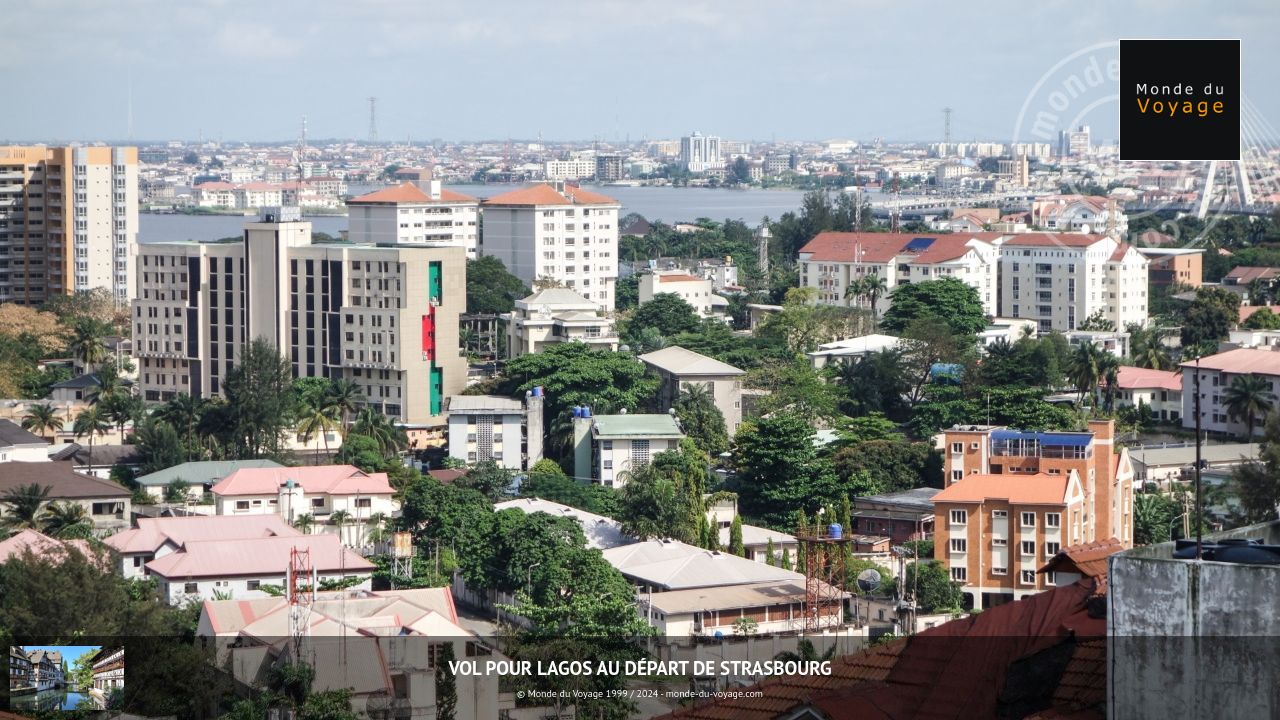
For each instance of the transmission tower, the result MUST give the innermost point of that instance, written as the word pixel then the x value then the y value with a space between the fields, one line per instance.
pixel 373 119
pixel 946 126
pixel 895 216
pixel 824 550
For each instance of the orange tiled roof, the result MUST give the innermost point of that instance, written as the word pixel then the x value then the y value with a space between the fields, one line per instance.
pixel 409 193
pixel 544 194
pixel 833 246
pixel 1037 489
pixel 678 278
pixel 1088 559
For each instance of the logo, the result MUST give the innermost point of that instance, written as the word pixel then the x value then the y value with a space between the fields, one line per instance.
pixel 1180 99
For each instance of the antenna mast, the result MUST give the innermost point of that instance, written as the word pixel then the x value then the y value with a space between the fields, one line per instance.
pixel 301 597
pixel 373 119
pixel 946 126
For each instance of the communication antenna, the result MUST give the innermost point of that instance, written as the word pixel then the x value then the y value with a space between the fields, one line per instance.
pixel 301 597
pixel 373 119
pixel 946 126
pixel 895 217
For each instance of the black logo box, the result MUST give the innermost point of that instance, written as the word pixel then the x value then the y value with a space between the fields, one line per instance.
pixel 1187 69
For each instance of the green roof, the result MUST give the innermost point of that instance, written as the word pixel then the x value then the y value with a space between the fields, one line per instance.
pixel 619 426
pixel 200 473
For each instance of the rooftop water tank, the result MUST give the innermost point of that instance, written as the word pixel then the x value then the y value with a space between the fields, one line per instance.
pixel 835 531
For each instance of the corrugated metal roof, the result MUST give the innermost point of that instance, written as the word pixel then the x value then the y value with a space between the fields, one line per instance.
pixel 639 425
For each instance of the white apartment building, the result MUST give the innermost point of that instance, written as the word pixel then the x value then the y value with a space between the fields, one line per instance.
pixel 833 261
pixel 694 290
pixel 607 447
pixel 1216 374
pixel 406 215
pixel 556 232
pixel 578 168
pixel 501 429
pixel 384 317
pixel 1061 279
pixel 68 221
pixel 556 315
pixel 699 153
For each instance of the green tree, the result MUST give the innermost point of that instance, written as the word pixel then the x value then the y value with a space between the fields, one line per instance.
pixel 889 466
pixel 488 478
pixel 735 537
pixel 779 470
pixel 932 587
pixel 806 652
pixel 159 445
pixel 626 293
pixel 373 423
pixel 1148 347
pixel 667 313
pixel 305 523
pixel 491 289
pixel 87 345
pixel 328 705
pixel 259 395
pixel 344 397
pixel 1257 484
pixel 1248 397
pixel 1209 319
pixel 42 419
pixel 547 481
pixel 949 299
pixel 177 490
pixel 1262 319
pixel 66 520
pixel 361 451
pixel 446 685
pixel 1153 517
pixel 795 386
pixel 927 342
pixel 1098 322
pixel 802 324
pixel 91 422
pixel 663 499
pixel 700 419
pixel 183 413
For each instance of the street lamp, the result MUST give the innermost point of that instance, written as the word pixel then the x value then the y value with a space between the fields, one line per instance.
pixel 528 577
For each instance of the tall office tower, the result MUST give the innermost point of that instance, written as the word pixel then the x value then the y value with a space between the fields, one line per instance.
pixel 700 152
pixel 556 232
pixel 68 221
pixel 1075 143
pixel 385 318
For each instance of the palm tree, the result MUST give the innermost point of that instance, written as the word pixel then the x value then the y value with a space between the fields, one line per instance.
pixel 1087 368
pixel 1248 396
pixel 24 504
pixel 345 397
pixel 121 408
pixel 317 420
pixel 370 421
pixel 340 519
pixel 42 419
pixel 1111 376
pixel 376 532
pixel 108 383
pixel 855 289
pixel 1148 348
pixel 805 652
pixel 87 346
pixel 873 286
pixel 182 411
pixel 304 523
pixel 66 520
pixel 91 421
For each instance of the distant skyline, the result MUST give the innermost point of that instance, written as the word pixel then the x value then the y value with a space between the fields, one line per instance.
pixel 232 70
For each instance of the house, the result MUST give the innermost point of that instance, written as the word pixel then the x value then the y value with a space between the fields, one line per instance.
pixel 19 672
pixel 1112 342
pixel 207 569
pixel 852 349
pixel 997 530
pixel 108 669
pixel 602 532
pixel 200 475
pixel 1215 373
pixel 1106 475
pixel 488 427
pixel 713 612
pixel 606 447
pixel 81 387
pixel 19 445
pixel 46 669
pixel 1078 214
pixel 412 215
pixel 902 516
pixel 1165 465
pixel 384 646
pixel 1168 267
pixel 1160 391
pixel 679 369
pixel 695 290
pixel 319 491
pixel 1244 275
pixel 107 503
pixel 721 512
pixel 42 546
pixel 156 537
pixel 102 461
pixel 556 315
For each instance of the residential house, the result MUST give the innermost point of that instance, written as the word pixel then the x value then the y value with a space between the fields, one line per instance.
pixel 488 427
pixel 42 546
pixel 316 490
pixel 902 516
pixel 1078 214
pixel 1167 267
pixel 852 349
pixel 46 669
pixel 19 445
pixel 1215 374
pixel 606 447
pixel 200 475
pixel 80 388
pixel 108 669
pixel 1163 465
pixel 107 503
pixel 694 290
pixel 104 458
pixel 157 537
pixel 19 671
pixel 679 369
pixel 602 532
pixel 556 315
pixel 385 647
pixel 1159 391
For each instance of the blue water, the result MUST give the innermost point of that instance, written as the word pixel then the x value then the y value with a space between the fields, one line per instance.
pixel 655 203
pixel 51 700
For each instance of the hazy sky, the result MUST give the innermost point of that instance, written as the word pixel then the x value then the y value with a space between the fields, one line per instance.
pixel 569 69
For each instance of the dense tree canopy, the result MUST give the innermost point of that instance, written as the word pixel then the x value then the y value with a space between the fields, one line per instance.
pixel 491 289
pixel 950 299
pixel 667 314
pixel 780 470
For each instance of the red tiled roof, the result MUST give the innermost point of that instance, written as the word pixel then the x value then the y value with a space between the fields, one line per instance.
pixel 1244 274
pixel 1121 250
pixel 1135 378
pixel 326 479
pixel 544 194
pixel 1037 489
pixel 1241 361
pixel 1088 559
pixel 1247 311
pixel 678 278
pixel 409 193
pixel 882 247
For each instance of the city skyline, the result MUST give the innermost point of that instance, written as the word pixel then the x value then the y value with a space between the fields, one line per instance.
pixel 607 70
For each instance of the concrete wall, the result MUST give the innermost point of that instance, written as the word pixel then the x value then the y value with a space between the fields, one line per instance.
pixel 1193 639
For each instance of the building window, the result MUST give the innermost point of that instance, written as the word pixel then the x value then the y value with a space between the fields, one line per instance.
pixel 254 584
pixel 1029 547
pixel 1028 519
pixel 191 588
pixel 959 545
pixel 242 505
pixel 999 514
pixel 1052 520
pixel 1028 577
pixel 1051 549
pixel 364 502
pixel 606 444
pixel 957 447
pixel 999 571
pixel 959 517
pixel 959 574
pixel 999 542
pixel 957 475
pixel 317 502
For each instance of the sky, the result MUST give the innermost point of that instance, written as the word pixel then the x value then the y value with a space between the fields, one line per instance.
pixel 574 69
pixel 69 652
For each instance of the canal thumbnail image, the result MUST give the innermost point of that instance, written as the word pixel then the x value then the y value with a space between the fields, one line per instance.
pixel 64 677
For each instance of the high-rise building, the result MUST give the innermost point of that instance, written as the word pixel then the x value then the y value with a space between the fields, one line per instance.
pixel 68 221
pixel 556 232
pixel 385 318
pixel 700 152
pixel 413 215
pixel 608 168
pixel 1075 143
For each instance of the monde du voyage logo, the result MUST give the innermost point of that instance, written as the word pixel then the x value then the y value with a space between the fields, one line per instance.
pixel 1180 99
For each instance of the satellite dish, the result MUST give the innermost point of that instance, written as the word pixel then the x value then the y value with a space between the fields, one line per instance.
pixel 869 579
